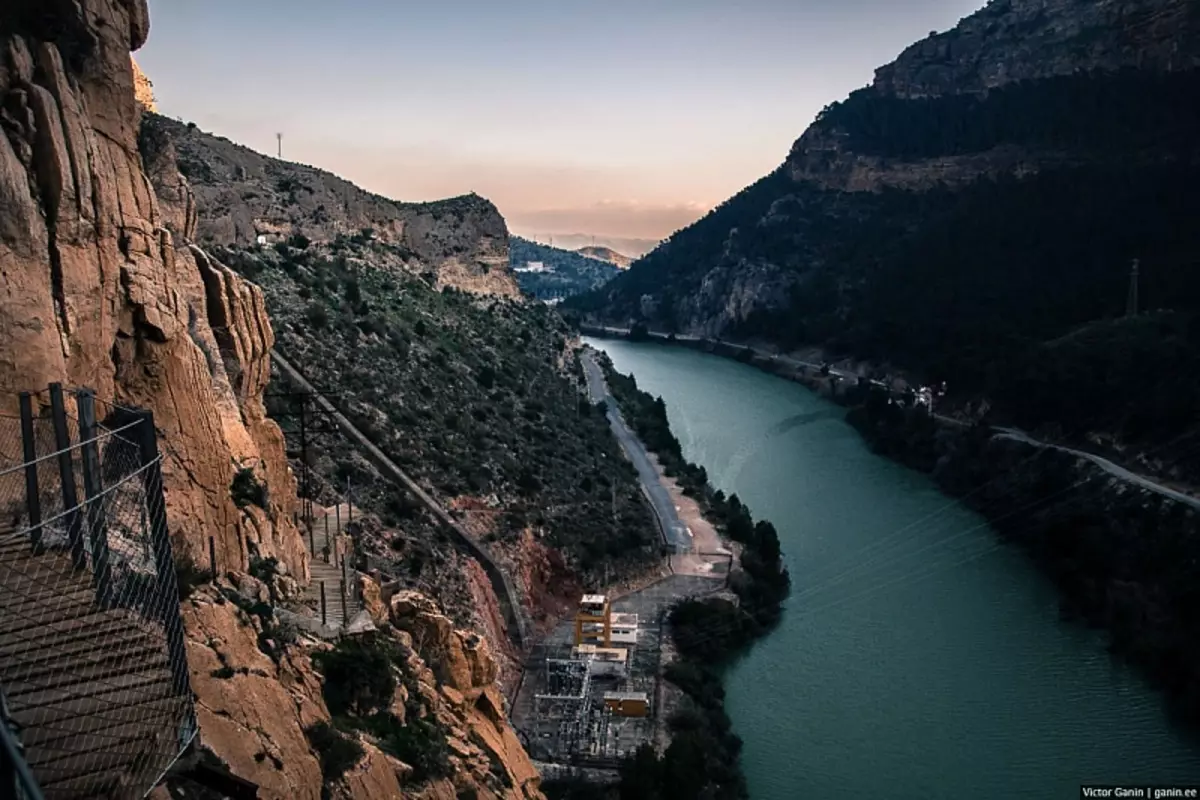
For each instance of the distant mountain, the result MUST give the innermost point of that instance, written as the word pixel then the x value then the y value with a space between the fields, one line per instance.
pixel 633 247
pixel 549 273
pixel 606 254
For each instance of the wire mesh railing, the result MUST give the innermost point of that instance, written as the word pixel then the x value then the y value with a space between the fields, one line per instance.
pixel 92 656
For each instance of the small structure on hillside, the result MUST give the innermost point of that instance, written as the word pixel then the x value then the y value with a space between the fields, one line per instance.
pixel 593 621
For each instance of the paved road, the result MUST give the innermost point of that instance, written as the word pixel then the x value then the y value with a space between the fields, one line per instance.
pixel 675 532
pixel 1104 464
pixel 1008 433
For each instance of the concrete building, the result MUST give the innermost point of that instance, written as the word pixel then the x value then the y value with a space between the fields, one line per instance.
pixel 624 629
pixel 593 621
pixel 603 661
pixel 627 704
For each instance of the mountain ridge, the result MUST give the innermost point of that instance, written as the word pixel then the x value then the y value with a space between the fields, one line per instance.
pixel 1047 179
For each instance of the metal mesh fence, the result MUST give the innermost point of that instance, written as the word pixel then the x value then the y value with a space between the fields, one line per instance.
pixel 92 658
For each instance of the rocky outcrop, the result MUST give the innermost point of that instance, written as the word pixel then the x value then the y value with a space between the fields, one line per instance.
pixel 243 195
pixel 143 89
pixel 101 289
pixel 258 692
pixel 457 677
pixel 1015 40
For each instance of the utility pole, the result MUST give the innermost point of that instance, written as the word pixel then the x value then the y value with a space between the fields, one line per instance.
pixel 279 142
pixel 1131 306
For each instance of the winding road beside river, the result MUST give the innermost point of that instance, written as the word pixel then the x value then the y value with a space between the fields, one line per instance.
pixel 673 529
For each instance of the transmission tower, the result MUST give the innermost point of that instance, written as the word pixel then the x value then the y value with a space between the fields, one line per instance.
pixel 279 142
pixel 1131 306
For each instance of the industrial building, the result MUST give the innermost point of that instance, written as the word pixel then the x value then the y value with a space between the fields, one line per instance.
pixel 627 704
pixel 593 621
pixel 624 629
pixel 603 661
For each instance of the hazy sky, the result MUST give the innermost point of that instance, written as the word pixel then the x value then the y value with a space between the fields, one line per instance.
pixel 613 117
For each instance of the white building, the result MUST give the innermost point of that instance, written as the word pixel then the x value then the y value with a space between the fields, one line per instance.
pixel 612 661
pixel 624 629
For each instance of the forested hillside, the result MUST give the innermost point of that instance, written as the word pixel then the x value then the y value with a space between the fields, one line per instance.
pixel 984 238
pixel 568 273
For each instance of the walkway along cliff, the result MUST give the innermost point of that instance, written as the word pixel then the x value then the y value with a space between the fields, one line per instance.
pixel 501 583
pixel 101 290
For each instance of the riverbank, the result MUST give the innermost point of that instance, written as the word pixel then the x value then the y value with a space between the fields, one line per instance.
pixel 706 634
pixel 1123 557
pixel 1119 553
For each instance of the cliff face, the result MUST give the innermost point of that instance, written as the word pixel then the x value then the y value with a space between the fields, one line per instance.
pixel 102 288
pixel 1020 40
pixel 461 242
pixel 98 291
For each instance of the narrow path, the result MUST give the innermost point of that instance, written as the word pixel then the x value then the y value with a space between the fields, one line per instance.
pixel 674 532
pixel 1014 434
pixel 327 526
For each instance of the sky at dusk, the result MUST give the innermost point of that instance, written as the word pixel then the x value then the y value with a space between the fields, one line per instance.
pixel 618 118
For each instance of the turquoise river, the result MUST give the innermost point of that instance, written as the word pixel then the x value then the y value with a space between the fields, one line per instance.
pixel 917 658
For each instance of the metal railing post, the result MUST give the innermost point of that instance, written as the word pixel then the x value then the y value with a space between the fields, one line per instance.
pixel 66 469
pixel 164 561
pixel 342 589
pixel 33 498
pixel 324 617
pixel 85 402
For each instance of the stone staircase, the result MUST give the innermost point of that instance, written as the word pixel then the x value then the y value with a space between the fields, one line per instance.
pixel 90 687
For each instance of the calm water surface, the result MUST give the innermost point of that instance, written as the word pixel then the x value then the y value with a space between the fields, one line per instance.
pixel 917 657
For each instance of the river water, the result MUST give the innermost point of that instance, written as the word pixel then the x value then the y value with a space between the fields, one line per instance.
pixel 917 657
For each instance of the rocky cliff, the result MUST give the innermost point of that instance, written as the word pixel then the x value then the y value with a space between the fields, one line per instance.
pixel 244 195
pixel 99 292
pixel 270 707
pixel 1022 40
pixel 103 288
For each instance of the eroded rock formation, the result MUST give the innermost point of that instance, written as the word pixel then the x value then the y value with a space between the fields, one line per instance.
pixel 101 287
pixel 101 290
pixel 259 691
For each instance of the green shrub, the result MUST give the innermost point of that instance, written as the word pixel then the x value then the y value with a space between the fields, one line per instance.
pixel 317 314
pixel 246 489
pixel 358 677
pixel 420 743
pixel 336 751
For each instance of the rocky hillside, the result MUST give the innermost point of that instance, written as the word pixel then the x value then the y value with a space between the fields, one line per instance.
pixel 473 393
pixel 567 272
pixel 982 199
pixel 478 399
pixel 606 254
pixel 244 195
pixel 103 289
